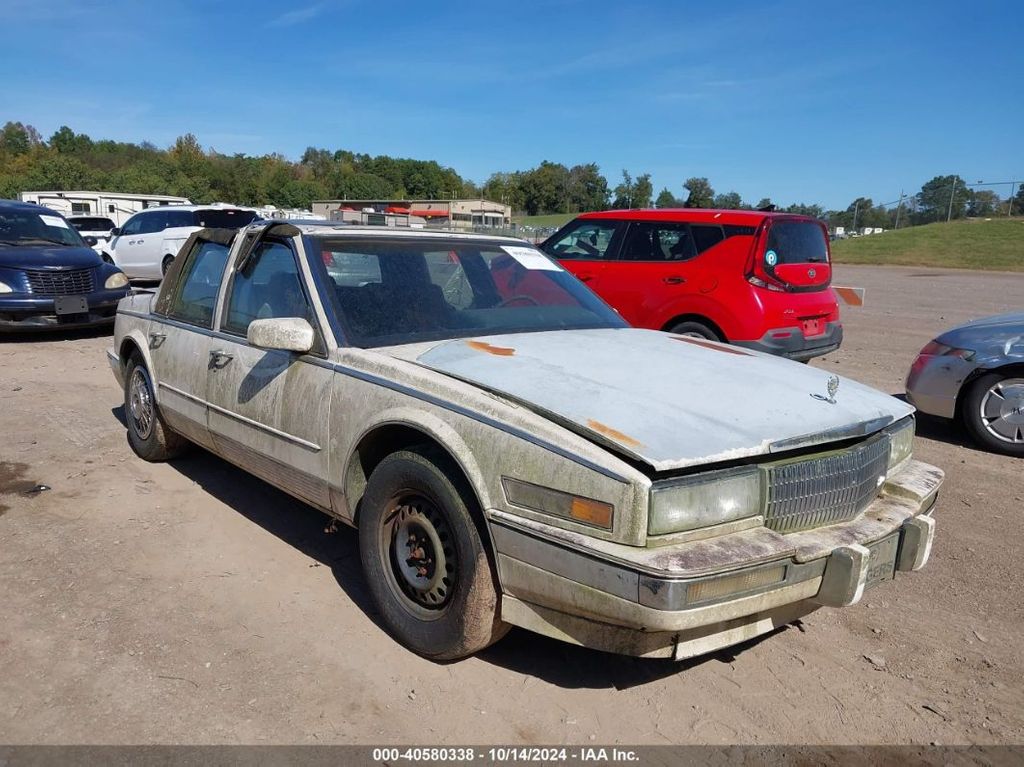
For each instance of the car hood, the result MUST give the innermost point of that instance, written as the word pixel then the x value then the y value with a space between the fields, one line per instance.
pixel 668 401
pixel 46 257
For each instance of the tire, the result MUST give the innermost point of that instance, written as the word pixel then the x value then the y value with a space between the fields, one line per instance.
pixel 149 436
pixel 166 264
pixel 442 600
pixel 993 412
pixel 696 330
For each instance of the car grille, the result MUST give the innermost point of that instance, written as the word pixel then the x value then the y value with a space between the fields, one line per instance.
pixel 825 490
pixel 68 282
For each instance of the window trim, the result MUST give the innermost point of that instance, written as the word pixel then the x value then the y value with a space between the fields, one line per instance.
pixel 319 341
pixel 179 285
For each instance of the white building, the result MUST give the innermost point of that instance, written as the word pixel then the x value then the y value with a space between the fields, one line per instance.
pixel 113 205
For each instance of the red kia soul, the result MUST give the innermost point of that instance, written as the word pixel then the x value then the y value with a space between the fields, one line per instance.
pixel 750 278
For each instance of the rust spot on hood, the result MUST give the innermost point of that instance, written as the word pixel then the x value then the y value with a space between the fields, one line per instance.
pixel 614 434
pixel 499 351
pixel 718 347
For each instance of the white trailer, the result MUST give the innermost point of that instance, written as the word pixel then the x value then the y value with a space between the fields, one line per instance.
pixel 113 205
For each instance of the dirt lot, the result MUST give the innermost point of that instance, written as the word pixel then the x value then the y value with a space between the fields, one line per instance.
pixel 191 603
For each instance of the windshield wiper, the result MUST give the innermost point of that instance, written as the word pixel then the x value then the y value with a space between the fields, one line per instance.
pixel 40 239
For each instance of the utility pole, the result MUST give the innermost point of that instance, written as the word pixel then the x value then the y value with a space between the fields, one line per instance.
pixel 856 207
pixel 898 206
pixel 952 191
pixel 1009 203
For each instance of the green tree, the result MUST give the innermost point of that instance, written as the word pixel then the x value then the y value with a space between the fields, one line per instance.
pixel 942 197
pixel 17 138
pixel 728 201
pixel 983 202
pixel 588 189
pixel 623 193
pixel 1017 206
pixel 765 203
pixel 643 191
pixel 701 195
pixel 666 200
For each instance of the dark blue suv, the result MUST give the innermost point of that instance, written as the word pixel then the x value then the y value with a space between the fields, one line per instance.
pixel 49 277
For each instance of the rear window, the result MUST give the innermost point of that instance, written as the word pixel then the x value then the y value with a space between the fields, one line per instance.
pixel 91 224
pixel 223 218
pixel 796 242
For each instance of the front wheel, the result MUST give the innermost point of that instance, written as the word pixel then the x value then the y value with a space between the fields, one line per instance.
pixel 149 436
pixel 424 561
pixel 993 413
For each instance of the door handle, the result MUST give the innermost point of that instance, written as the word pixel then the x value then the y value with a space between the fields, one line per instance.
pixel 155 339
pixel 220 358
pixel 675 279
pixel 584 277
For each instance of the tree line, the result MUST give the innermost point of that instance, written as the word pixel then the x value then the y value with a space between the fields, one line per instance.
pixel 69 160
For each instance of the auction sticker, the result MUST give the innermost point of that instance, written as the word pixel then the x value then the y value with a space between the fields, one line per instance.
pixel 55 221
pixel 530 258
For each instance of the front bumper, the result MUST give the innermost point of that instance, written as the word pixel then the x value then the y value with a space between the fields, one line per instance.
pixel 795 345
pixel 640 601
pixel 28 312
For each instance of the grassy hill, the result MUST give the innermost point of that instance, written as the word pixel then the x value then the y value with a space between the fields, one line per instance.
pixel 996 244
pixel 555 220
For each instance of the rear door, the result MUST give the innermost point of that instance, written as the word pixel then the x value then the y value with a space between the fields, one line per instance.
pixel 180 338
pixel 796 252
pixel 653 269
pixel 136 250
pixel 584 247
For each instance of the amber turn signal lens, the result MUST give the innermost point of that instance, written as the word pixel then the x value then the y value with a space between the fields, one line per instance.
pixel 594 512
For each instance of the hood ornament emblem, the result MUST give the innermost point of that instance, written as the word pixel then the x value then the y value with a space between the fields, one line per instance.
pixel 832 388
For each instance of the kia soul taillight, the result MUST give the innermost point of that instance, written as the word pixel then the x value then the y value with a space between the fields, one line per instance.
pixel 790 255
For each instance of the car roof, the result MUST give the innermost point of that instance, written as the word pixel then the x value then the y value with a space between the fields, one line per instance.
pixel 701 215
pixel 191 208
pixel 336 228
pixel 31 207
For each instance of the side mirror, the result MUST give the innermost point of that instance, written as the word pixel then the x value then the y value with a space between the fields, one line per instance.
pixel 90 241
pixel 290 334
pixel 115 232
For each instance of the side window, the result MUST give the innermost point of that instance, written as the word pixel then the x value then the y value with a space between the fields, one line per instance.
pixel 133 225
pixel 270 287
pixel 706 236
pixel 151 222
pixel 176 218
pixel 585 240
pixel 658 242
pixel 198 284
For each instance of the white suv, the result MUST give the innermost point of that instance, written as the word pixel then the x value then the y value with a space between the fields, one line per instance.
pixel 148 242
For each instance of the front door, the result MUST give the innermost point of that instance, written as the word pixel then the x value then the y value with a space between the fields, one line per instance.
pixel 268 409
pixel 583 248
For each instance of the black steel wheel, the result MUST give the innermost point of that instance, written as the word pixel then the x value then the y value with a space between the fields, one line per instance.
pixel 421 544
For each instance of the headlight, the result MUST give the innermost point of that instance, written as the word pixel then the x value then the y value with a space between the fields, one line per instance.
pixel 901 441
pixel 560 504
pixel 116 280
pixel 935 349
pixel 705 500
pixel 5 288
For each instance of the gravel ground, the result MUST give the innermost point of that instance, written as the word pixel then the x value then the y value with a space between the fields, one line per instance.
pixel 191 603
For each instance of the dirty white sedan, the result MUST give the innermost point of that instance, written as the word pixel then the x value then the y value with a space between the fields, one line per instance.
pixel 511 452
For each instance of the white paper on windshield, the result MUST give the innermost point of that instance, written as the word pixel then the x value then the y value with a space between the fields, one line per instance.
pixel 55 221
pixel 530 258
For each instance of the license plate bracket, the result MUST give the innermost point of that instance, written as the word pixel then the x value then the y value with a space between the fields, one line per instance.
pixel 812 328
pixel 70 305
pixel 882 564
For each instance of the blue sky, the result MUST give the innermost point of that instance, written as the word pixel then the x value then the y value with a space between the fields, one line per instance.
pixel 799 101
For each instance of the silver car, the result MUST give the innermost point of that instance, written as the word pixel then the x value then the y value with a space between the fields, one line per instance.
pixel 975 373
pixel 511 452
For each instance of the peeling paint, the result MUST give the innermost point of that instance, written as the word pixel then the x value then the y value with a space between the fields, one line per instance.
pixel 498 351
pixel 711 345
pixel 614 434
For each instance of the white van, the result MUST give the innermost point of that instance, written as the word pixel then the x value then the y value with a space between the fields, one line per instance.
pixel 148 242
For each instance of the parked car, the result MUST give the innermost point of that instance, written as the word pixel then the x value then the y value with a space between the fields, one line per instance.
pixel 751 278
pixel 146 245
pixel 511 452
pixel 49 277
pixel 975 373
pixel 95 230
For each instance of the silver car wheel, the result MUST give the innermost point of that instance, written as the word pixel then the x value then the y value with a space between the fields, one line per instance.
pixel 140 403
pixel 1002 410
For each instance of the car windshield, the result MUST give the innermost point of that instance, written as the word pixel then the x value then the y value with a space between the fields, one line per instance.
pixel 797 242
pixel 404 290
pixel 25 227
pixel 91 224
pixel 223 218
